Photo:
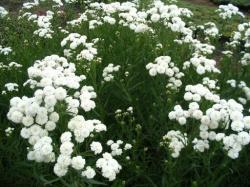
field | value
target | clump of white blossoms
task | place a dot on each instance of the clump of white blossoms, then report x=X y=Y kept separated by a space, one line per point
x=164 y=66
x=108 y=72
x=199 y=91
x=78 y=44
x=245 y=60
x=10 y=87
x=116 y=147
x=227 y=11
x=3 y=12
x=242 y=35
x=209 y=29
x=201 y=65
x=9 y=131
x=12 y=66
x=176 y=141
x=89 y=172
x=109 y=166
x=34 y=3
x=53 y=79
x=70 y=1
x=242 y=86
x=5 y=50
x=43 y=23
x=130 y=16
x=223 y=122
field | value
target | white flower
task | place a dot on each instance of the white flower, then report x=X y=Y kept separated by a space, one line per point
x=54 y=116
x=3 y=12
x=127 y=146
x=64 y=160
x=237 y=126
x=96 y=147
x=109 y=166
x=50 y=126
x=155 y=17
x=233 y=153
x=41 y=119
x=25 y=133
x=243 y=138
x=89 y=173
x=188 y=96
x=246 y=121
x=108 y=72
x=60 y=171
x=182 y=120
x=66 y=137
x=15 y=116
x=66 y=148
x=50 y=100
x=78 y=162
x=46 y=149
x=60 y=93
x=28 y=121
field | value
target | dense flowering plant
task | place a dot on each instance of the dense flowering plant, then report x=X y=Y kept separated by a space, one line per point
x=103 y=93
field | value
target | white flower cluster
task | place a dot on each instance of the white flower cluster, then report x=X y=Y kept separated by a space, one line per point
x=202 y=48
x=42 y=150
x=228 y=11
x=227 y=53
x=225 y=116
x=245 y=60
x=82 y=128
x=96 y=147
x=3 y=12
x=211 y=84
x=10 y=87
x=181 y=115
x=137 y=20
x=70 y=1
x=83 y=17
x=202 y=65
x=210 y=29
x=200 y=145
x=76 y=41
x=243 y=86
x=170 y=15
x=89 y=172
x=40 y=115
x=246 y=90
x=29 y=5
x=5 y=50
x=34 y=3
x=86 y=95
x=11 y=66
x=108 y=72
x=199 y=91
x=54 y=71
x=109 y=166
x=127 y=12
x=9 y=131
x=43 y=23
x=116 y=147
x=176 y=141
x=165 y=66
x=242 y=35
